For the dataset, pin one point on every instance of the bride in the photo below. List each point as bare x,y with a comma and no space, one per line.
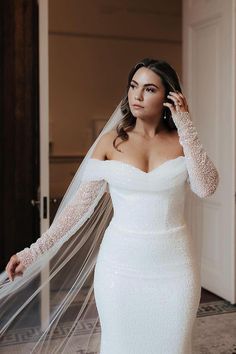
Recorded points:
120,228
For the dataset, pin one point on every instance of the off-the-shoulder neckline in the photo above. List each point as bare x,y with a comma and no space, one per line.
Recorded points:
137,168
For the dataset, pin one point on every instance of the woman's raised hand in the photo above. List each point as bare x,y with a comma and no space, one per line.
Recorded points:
179,102
14,267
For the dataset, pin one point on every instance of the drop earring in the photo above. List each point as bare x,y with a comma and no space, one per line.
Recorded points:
164,117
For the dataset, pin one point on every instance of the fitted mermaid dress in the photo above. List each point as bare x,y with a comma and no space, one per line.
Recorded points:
146,281
147,277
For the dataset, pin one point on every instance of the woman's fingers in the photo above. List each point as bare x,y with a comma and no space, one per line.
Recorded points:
179,100
183,97
19,269
170,106
176,101
11,267
175,97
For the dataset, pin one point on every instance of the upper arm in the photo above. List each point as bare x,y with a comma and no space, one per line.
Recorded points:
103,146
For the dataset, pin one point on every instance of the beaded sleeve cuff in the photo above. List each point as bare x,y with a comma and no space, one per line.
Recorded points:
203,175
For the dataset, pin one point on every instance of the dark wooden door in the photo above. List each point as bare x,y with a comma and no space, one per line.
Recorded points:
19,126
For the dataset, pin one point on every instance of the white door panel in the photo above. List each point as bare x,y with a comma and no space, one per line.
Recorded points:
209,82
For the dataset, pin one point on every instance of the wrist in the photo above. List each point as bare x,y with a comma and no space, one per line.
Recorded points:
181,118
185,127
24,257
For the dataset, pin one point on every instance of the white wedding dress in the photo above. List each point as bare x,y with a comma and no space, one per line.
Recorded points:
146,281
146,272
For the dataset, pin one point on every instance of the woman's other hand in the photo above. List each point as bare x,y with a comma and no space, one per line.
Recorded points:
14,267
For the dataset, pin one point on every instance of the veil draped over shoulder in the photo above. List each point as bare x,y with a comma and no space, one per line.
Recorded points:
51,308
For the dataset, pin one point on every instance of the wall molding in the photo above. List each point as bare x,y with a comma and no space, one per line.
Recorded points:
112,37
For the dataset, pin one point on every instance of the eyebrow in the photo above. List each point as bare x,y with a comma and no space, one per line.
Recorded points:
144,84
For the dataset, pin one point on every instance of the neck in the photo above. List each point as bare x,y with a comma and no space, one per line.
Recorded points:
149,128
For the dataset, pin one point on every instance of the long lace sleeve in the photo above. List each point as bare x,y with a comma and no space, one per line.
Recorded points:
203,176
67,220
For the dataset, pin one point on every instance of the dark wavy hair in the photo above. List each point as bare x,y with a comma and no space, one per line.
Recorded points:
171,82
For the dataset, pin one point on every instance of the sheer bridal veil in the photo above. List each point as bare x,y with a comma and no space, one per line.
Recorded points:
51,308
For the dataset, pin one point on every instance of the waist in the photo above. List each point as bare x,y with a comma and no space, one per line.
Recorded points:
133,252
153,231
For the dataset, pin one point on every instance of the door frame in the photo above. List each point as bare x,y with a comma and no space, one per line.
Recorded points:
44,146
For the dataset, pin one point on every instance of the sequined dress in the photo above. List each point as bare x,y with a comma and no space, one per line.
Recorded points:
147,277
146,282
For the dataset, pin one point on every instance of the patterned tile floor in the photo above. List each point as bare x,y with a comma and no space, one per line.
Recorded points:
214,330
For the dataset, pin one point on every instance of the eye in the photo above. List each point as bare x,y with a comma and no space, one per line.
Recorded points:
132,86
150,89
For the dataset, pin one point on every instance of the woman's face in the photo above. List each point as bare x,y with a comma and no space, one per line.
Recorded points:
147,91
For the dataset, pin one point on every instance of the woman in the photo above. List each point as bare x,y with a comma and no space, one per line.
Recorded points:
146,275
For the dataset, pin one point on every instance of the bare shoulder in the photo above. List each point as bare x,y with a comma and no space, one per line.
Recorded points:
104,145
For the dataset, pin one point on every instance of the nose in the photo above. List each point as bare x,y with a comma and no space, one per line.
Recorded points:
138,95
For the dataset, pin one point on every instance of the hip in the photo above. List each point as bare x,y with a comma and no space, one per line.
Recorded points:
162,253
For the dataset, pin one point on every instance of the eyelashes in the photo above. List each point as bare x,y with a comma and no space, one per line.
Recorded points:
132,86
148,89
